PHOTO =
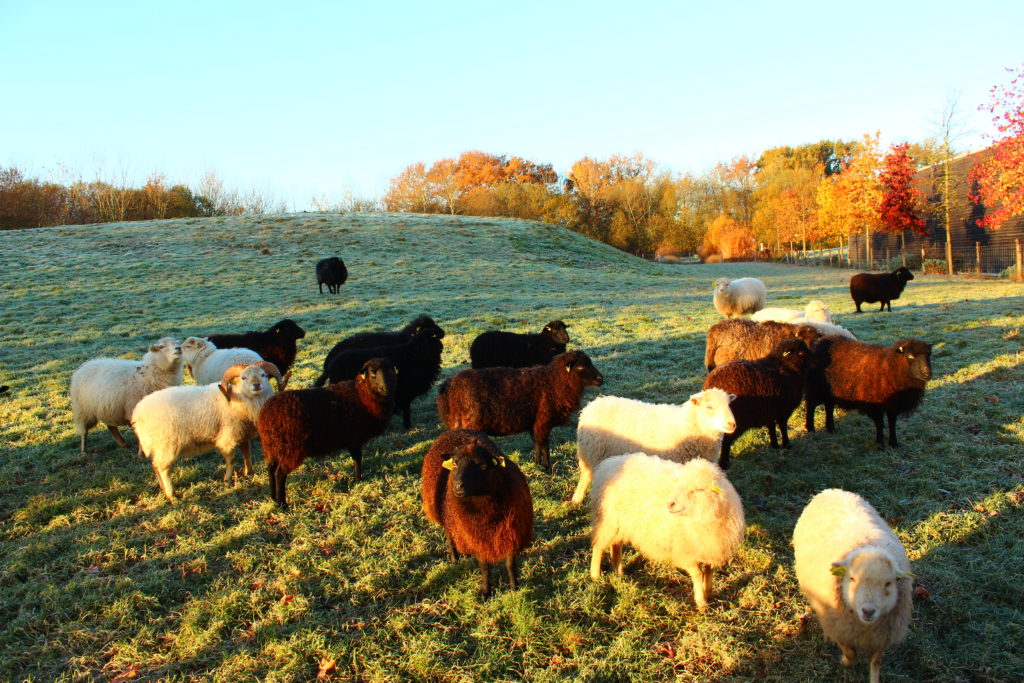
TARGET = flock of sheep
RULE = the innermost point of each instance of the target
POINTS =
(656, 472)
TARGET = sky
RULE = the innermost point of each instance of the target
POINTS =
(303, 99)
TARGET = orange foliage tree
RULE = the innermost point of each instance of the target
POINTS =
(1000, 179)
(727, 237)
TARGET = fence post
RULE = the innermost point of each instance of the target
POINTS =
(1020, 262)
(949, 258)
(977, 256)
(922, 260)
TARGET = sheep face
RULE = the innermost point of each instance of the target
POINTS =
(792, 354)
(168, 353)
(252, 383)
(868, 583)
(818, 310)
(288, 329)
(579, 363)
(556, 332)
(903, 274)
(192, 347)
(422, 322)
(699, 496)
(918, 356)
(473, 472)
(379, 375)
(713, 405)
(721, 285)
(808, 335)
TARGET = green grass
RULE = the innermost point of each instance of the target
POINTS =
(100, 578)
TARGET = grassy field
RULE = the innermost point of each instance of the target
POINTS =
(102, 579)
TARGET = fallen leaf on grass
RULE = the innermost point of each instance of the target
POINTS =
(328, 667)
(921, 592)
(1016, 497)
(287, 599)
(666, 650)
(126, 675)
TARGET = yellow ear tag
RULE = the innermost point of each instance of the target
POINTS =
(501, 461)
(838, 570)
(448, 464)
(714, 487)
(396, 370)
(900, 349)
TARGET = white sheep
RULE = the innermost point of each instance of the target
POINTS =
(208, 363)
(855, 573)
(815, 310)
(107, 389)
(611, 425)
(688, 515)
(738, 297)
(826, 329)
(187, 420)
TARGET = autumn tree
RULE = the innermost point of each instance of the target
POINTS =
(900, 199)
(410, 191)
(728, 237)
(1000, 178)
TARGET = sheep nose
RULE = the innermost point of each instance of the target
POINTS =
(869, 613)
(730, 427)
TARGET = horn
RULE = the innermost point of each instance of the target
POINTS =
(272, 370)
(230, 375)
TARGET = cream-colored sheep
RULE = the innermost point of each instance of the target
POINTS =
(815, 310)
(208, 363)
(107, 389)
(688, 515)
(611, 425)
(855, 573)
(738, 297)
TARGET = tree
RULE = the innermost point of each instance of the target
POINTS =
(726, 236)
(410, 191)
(1000, 178)
(950, 127)
(861, 190)
(900, 199)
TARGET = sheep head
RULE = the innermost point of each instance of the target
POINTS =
(578, 363)
(869, 579)
(252, 380)
(918, 356)
(475, 471)
(272, 371)
(713, 409)
(700, 488)
(556, 332)
(168, 353)
(903, 274)
(792, 354)
(288, 329)
(379, 376)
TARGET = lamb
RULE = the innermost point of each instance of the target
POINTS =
(767, 391)
(501, 401)
(107, 389)
(480, 499)
(610, 425)
(208, 363)
(276, 345)
(873, 379)
(746, 340)
(367, 340)
(508, 349)
(815, 310)
(688, 515)
(188, 420)
(295, 425)
(738, 297)
(331, 272)
(880, 287)
(417, 363)
(856, 575)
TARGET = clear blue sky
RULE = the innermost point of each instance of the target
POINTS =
(303, 99)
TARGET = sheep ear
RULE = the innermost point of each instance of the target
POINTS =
(838, 569)
(694, 400)
(731, 397)
(226, 390)
(449, 464)
(154, 348)
(362, 375)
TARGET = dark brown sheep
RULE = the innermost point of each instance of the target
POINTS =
(295, 425)
(367, 340)
(501, 401)
(881, 287)
(874, 379)
(276, 345)
(331, 272)
(495, 348)
(743, 339)
(767, 391)
(480, 499)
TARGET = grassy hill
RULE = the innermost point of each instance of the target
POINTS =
(100, 578)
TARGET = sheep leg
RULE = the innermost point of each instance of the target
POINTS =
(699, 594)
(114, 432)
(617, 558)
(485, 579)
(892, 430)
(830, 418)
(882, 307)
(858, 306)
(272, 476)
(784, 431)
(879, 419)
(81, 447)
(246, 448)
(280, 476)
(407, 416)
(875, 668)
(773, 440)
(542, 454)
(586, 476)
(723, 458)
(707, 575)
(453, 554)
(512, 570)
(357, 460)
(596, 552)
(163, 478)
(849, 655)
(809, 419)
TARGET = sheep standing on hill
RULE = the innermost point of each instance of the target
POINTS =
(502, 401)
(880, 287)
(180, 421)
(687, 515)
(874, 379)
(107, 389)
(815, 310)
(767, 391)
(738, 297)
(856, 575)
(610, 425)
(331, 272)
(480, 499)
(495, 348)
(368, 340)
(746, 340)
(295, 425)
(277, 345)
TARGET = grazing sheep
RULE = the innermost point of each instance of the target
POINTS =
(277, 345)
(331, 272)
(738, 297)
(207, 363)
(417, 363)
(180, 421)
(874, 379)
(501, 401)
(480, 499)
(746, 340)
(495, 348)
(687, 515)
(295, 425)
(610, 425)
(815, 310)
(856, 575)
(107, 389)
(767, 391)
(368, 340)
(880, 287)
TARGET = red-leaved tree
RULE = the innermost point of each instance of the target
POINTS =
(998, 182)
(899, 196)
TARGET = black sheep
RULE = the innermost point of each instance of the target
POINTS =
(417, 363)
(277, 345)
(331, 272)
(495, 348)
(874, 379)
(368, 340)
(881, 287)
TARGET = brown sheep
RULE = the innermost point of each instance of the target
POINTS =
(480, 499)
(880, 287)
(502, 401)
(295, 425)
(742, 339)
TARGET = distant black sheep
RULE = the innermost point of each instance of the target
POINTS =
(277, 345)
(495, 348)
(331, 272)
(368, 340)
(880, 287)
(417, 363)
